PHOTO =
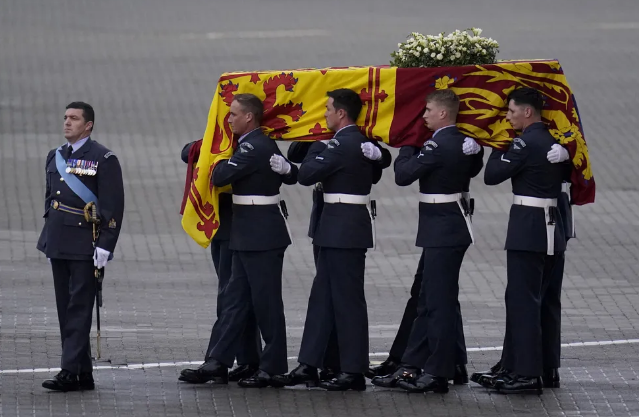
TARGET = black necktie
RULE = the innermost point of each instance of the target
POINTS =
(67, 152)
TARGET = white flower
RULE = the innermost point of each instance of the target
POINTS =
(483, 52)
(399, 45)
(457, 55)
(433, 55)
(416, 53)
(419, 48)
(440, 57)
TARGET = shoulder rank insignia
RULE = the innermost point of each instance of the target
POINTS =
(333, 143)
(432, 143)
(246, 147)
(108, 154)
(428, 146)
(518, 143)
(112, 224)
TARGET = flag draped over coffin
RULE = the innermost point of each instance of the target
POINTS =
(393, 106)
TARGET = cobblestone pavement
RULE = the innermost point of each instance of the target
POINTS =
(150, 67)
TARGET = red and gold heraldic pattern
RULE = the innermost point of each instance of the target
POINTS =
(394, 101)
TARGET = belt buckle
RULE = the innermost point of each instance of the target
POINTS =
(55, 205)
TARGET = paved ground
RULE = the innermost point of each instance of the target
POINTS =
(149, 68)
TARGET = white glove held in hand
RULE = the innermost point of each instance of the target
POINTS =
(371, 151)
(471, 147)
(100, 257)
(557, 153)
(280, 165)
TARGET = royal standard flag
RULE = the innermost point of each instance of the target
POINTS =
(394, 102)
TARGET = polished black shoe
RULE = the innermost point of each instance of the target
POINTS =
(64, 381)
(86, 382)
(489, 380)
(387, 367)
(461, 375)
(390, 381)
(260, 379)
(518, 384)
(303, 374)
(209, 371)
(551, 378)
(242, 371)
(425, 383)
(328, 373)
(345, 381)
(476, 376)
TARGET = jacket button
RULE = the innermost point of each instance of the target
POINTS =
(79, 224)
(61, 179)
(58, 192)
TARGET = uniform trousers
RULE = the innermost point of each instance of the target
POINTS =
(250, 344)
(75, 289)
(337, 301)
(410, 314)
(256, 281)
(331, 356)
(433, 342)
(533, 312)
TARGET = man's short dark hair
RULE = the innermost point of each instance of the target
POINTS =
(347, 100)
(251, 104)
(87, 111)
(526, 96)
(447, 99)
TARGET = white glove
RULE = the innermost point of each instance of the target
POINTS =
(371, 151)
(471, 147)
(325, 141)
(280, 165)
(100, 257)
(557, 153)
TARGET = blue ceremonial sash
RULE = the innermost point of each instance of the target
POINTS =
(72, 181)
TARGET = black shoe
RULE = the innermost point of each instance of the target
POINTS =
(517, 384)
(211, 370)
(425, 383)
(387, 367)
(328, 373)
(402, 373)
(489, 380)
(64, 381)
(461, 375)
(551, 378)
(476, 376)
(85, 381)
(303, 374)
(242, 371)
(260, 379)
(345, 381)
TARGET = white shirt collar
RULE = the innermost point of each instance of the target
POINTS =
(246, 134)
(79, 144)
(442, 128)
(343, 129)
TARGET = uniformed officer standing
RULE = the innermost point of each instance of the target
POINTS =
(248, 355)
(259, 238)
(444, 233)
(297, 152)
(78, 173)
(535, 237)
(343, 235)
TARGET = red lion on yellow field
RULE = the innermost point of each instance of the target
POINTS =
(274, 121)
